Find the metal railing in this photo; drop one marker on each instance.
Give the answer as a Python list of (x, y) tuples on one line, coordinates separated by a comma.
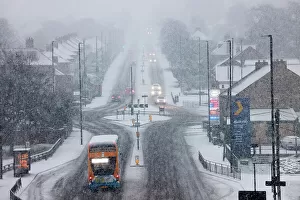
[(15, 189), (220, 168), (37, 157)]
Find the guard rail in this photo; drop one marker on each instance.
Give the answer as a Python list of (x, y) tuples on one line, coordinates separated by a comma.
[(220, 168), (37, 157)]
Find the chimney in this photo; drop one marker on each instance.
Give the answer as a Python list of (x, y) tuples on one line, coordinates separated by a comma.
[(260, 64), (29, 43), (280, 63)]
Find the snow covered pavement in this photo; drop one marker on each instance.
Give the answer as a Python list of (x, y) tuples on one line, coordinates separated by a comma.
[(68, 151)]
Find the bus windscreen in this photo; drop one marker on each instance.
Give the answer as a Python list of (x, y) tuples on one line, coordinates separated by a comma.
[(104, 168)]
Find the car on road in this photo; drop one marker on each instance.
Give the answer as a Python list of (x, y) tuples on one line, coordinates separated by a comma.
[(152, 57), (127, 91), (116, 98), (161, 100), (156, 90)]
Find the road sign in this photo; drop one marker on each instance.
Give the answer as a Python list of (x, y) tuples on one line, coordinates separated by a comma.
[(241, 137), (136, 124), (262, 159), (276, 183), (252, 195), (145, 95)]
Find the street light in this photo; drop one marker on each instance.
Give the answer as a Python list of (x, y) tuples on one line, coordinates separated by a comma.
[(80, 96), (230, 103), (208, 89), (273, 174), (53, 69)]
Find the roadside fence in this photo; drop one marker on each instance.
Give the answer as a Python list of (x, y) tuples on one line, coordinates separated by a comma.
[(37, 157), (220, 168), (15, 189)]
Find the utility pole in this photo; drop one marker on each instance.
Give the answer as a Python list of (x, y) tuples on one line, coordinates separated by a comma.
[(1, 156), (277, 118), (272, 115), (208, 90), (273, 181), (80, 95), (180, 51), (131, 94), (84, 75), (97, 65), (53, 68), (242, 64), (230, 105), (199, 48), (102, 62)]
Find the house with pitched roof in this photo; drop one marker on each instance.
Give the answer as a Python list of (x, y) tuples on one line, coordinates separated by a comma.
[(256, 87), (240, 68)]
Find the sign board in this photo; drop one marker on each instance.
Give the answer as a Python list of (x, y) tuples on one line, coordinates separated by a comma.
[(262, 159), (136, 124), (214, 93), (240, 127), (214, 112), (252, 195)]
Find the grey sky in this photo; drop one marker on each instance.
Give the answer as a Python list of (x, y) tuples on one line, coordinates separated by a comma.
[(24, 11)]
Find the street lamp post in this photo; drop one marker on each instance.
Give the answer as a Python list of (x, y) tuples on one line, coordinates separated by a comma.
[(273, 174), (53, 68), (80, 95), (199, 48), (208, 91), (230, 104)]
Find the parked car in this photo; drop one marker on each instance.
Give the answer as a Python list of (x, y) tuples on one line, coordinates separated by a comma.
[(161, 100), (290, 142)]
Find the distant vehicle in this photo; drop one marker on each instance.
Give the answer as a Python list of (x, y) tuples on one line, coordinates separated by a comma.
[(104, 162), (156, 90), (152, 57), (116, 98), (86, 100), (290, 142), (160, 100), (127, 91), (149, 31)]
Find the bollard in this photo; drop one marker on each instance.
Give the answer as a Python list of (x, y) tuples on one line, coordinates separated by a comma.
[(150, 118), (133, 121), (137, 160)]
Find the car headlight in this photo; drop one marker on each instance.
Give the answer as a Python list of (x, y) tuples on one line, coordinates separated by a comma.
[(154, 60), (159, 92), (150, 60), (152, 92), (152, 88)]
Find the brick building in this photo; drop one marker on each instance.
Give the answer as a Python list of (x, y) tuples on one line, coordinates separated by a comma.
[(256, 86)]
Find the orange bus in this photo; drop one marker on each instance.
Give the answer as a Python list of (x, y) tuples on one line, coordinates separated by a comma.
[(104, 162)]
